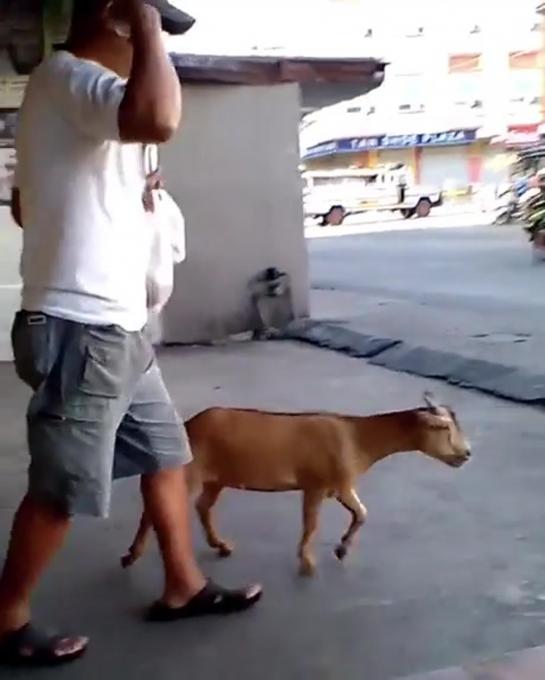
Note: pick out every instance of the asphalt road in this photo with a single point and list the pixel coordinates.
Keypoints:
(477, 268)
(473, 290)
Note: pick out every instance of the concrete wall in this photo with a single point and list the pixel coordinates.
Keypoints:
(11, 92)
(233, 169)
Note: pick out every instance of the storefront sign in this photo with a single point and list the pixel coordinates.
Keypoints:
(522, 135)
(378, 142)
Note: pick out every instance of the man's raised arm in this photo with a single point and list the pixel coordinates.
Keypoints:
(151, 108)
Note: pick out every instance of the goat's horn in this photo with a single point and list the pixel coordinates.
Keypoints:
(431, 402)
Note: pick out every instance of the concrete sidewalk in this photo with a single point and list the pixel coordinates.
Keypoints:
(450, 567)
(500, 352)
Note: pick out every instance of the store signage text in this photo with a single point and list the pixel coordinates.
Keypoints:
(521, 135)
(378, 142)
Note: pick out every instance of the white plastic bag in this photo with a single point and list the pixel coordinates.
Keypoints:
(167, 249)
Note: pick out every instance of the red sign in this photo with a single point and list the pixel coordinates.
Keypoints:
(521, 135)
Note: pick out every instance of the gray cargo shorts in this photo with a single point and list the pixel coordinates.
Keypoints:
(99, 411)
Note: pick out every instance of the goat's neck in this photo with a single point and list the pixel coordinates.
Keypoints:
(380, 436)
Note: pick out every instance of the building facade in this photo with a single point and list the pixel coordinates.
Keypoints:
(463, 91)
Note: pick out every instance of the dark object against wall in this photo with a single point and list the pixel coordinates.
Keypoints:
(23, 35)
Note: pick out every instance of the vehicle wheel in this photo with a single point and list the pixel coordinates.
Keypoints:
(423, 207)
(335, 216)
(407, 213)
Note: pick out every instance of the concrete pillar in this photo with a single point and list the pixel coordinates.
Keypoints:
(233, 168)
(417, 164)
(475, 162)
(372, 159)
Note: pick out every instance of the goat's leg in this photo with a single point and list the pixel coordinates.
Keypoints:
(139, 542)
(312, 499)
(206, 501)
(350, 500)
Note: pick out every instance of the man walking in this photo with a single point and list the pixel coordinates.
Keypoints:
(99, 409)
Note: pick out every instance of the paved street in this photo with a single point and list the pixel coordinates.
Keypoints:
(467, 289)
(450, 567)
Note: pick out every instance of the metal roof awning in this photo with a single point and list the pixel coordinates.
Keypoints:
(535, 151)
(323, 81)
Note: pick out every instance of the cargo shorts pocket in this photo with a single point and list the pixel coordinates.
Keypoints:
(30, 339)
(105, 363)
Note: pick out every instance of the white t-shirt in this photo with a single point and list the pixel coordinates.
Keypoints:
(87, 239)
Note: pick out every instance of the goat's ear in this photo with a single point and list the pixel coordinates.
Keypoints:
(434, 421)
(431, 402)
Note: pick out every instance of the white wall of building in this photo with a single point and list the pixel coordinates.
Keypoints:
(418, 38)
(233, 168)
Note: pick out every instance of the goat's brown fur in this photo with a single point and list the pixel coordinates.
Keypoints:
(320, 454)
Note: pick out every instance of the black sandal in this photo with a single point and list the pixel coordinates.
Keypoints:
(31, 646)
(212, 599)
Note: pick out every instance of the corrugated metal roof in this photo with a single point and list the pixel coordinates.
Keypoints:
(254, 70)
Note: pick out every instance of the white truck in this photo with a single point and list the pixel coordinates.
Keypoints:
(331, 195)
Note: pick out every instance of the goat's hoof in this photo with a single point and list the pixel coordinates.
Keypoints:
(341, 552)
(225, 550)
(128, 560)
(307, 569)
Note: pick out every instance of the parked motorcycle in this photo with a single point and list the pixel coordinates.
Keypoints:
(534, 221)
(507, 208)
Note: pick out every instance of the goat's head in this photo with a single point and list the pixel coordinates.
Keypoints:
(440, 435)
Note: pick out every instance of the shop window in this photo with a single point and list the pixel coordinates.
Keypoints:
(412, 108)
(465, 63)
(466, 90)
(415, 32)
(369, 111)
(524, 86)
(524, 60)
(410, 92)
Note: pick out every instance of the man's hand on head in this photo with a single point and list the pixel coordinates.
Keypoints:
(136, 12)
(151, 108)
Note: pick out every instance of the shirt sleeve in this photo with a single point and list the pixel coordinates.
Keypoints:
(88, 95)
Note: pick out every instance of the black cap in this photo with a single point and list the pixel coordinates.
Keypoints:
(173, 20)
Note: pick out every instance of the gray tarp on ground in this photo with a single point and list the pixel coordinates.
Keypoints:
(500, 380)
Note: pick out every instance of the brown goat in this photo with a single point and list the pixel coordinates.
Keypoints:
(320, 454)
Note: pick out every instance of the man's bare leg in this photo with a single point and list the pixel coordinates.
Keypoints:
(167, 504)
(37, 535)
(186, 591)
